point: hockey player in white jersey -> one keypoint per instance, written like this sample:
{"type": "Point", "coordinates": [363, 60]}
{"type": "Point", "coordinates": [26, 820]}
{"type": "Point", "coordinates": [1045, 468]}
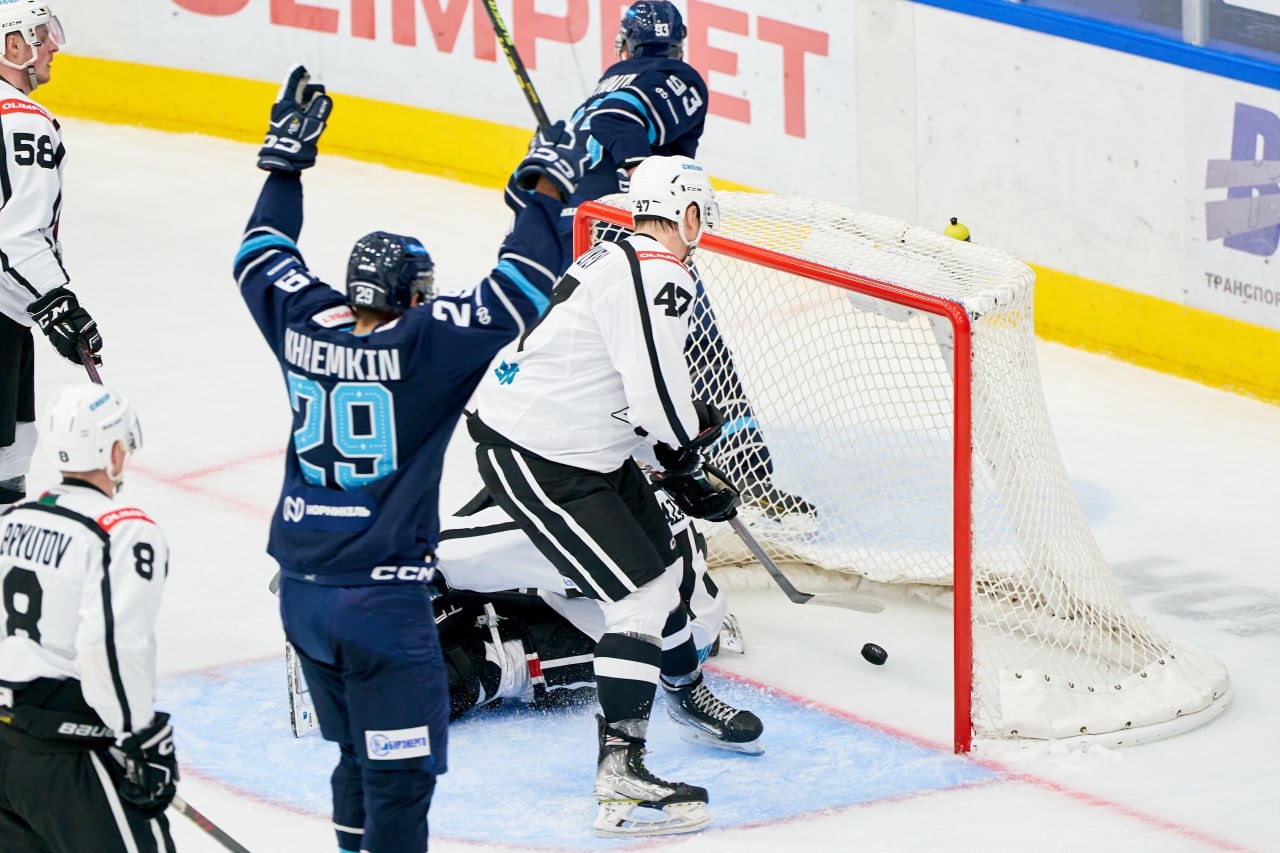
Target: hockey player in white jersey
{"type": "Point", "coordinates": [33, 282]}
{"type": "Point", "coordinates": [86, 761]}
{"type": "Point", "coordinates": [602, 377]}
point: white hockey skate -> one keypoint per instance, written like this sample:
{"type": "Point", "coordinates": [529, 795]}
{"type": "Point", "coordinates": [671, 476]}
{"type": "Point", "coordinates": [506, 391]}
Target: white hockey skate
{"type": "Point", "coordinates": [624, 784]}
{"type": "Point", "coordinates": [707, 720]}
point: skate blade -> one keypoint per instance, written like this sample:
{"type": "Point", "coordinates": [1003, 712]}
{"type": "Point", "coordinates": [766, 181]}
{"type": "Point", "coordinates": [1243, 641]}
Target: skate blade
{"type": "Point", "coordinates": [701, 738]}
{"type": "Point", "coordinates": [615, 819]}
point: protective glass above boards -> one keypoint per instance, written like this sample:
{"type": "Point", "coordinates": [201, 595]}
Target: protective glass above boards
{"type": "Point", "coordinates": [1247, 28]}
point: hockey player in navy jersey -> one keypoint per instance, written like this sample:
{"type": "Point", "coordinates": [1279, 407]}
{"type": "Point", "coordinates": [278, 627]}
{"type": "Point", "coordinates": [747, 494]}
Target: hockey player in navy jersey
{"type": "Point", "coordinates": [652, 102]}
{"type": "Point", "coordinates": [377, 378]}
{"type": "Point", "coordinates": [649, 102]}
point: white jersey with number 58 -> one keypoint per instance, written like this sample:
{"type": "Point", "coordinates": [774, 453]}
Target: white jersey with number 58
{"type": "Point", "coordinates": [604, 366]}
{"type": "Point", "coordinates": [30, 203]}
{"type": "Point", "coordinates": [82, 577]}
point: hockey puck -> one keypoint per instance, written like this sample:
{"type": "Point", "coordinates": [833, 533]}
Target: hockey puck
{"type": "Point", "coordinates": [874, 654]}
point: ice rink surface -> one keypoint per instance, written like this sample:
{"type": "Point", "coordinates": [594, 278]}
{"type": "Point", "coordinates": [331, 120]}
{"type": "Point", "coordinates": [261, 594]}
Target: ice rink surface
{"type": "Point", "coordinates": [1181, 484]}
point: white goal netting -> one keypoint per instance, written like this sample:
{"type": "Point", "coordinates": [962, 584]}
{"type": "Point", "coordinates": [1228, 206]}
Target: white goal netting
{"type": "Point", "coordinates": [842, 407]}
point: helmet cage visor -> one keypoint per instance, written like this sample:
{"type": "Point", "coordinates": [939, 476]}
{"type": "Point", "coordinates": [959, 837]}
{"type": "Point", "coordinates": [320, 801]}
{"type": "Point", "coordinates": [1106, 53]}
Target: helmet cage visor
{"type": "Point", "coordinates": [37, 27]}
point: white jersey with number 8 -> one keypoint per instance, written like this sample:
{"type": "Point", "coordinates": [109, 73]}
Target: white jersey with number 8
{"type": "Point", "coordinates": [82, 577]}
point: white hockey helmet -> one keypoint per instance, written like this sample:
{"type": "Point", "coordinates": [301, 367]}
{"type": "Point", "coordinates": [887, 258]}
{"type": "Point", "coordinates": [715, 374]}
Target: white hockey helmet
{"type": "Point", "coordinates": [26, 17]}
{"type": "Point", "coordinates": [665, 187]}
{"type": "Point", "coordinates": [84, 422]}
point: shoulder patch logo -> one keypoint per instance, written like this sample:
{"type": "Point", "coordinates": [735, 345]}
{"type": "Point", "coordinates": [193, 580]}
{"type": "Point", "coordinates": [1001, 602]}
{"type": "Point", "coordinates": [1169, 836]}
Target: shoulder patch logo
{"type": "Point", "coordinates": [116, 516]}
{"type": "Point", "coordinates": [331, 318]}
{"type": "Point", "coordinates": [16, 105]}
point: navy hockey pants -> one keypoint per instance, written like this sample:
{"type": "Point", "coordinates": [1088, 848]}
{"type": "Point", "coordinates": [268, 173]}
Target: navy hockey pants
{"type": "Point", "coordinates": [372, 659]}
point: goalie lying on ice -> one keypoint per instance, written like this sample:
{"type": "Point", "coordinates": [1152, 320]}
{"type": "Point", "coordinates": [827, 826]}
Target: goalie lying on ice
{"type": "Point", "coordinates": [537, 645]}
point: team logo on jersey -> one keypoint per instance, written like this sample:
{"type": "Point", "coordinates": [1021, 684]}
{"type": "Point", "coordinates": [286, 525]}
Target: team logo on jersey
{"type": "Point", "coordinates": [394, 744]}
{"type": "Point", "coordinates": [506, 372]}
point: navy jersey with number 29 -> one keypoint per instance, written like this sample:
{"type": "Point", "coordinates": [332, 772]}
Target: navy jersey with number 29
{"type": "Point", "coordinates": [372, 414]}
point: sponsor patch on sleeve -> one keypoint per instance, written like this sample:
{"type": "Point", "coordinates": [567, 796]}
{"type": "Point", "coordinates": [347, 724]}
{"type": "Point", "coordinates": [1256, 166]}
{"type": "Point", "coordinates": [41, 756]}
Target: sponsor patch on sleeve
{"type": "Point", "coordinates": [394, 744]}
{"type": "Point", "coordinates": [332, 318]}
{"type": "Point", "coordinates": [116, 516]}
{"type": "Point", "coordinates": [16, 105]}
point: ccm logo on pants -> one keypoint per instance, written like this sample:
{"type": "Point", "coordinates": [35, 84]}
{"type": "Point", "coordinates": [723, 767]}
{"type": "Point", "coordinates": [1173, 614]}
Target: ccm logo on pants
{"type": "Point", "coordinates": [403, 573]}
{"type": "Point", "coordinates": [397, 743]}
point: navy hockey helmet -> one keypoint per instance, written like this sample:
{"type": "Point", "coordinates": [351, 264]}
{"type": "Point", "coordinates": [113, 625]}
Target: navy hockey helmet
{"type": "Point", "coordinates": [651, 28]}
{"type": "Point", "coordinates": [386, 270]}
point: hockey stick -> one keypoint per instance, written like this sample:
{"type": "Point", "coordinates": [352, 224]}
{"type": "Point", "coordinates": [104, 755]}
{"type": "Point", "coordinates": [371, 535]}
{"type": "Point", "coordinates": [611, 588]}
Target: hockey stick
{"type": "Point", "coordinates": [517, 67]}
{"type": "Point", "coordinates": [302, 715]}
{"type": "Point", "coordinates": [184, 808]}
{"type": "Point", "coordinates": [86, 358]}
{"type": "Point", "coordinates": [847, 600]}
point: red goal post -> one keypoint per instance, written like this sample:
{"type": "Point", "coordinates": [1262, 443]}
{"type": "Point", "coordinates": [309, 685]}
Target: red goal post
{"type": "Point", "coordinates": [885, 376]}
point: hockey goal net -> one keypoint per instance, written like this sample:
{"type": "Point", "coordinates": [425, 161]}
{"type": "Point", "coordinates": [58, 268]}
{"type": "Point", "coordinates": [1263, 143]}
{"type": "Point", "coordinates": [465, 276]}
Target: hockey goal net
{"type": "Point", "coordinates": [887, 425]}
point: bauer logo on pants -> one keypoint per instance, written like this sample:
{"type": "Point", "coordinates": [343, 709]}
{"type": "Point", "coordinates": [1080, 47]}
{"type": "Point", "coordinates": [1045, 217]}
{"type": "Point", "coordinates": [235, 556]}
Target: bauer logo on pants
{"type": "Point", "coordinates": [397, 743]}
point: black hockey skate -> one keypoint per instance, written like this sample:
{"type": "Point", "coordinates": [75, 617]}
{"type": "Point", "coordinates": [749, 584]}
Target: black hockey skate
{"type": "Point", "coordinates": [623, 783]}
{"type": "Point", "coordinates": [707, 720]}
{"type": "Point", "coordinates": [776, 503]}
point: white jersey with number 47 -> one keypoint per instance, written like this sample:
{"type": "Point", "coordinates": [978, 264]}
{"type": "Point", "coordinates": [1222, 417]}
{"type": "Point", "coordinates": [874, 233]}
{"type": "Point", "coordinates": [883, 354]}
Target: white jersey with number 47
{"type": "Point", "coordinates": [605, 365]}
{"type": "Point", "coordinates": [30, 203]}
{"type": "Point", "coordinates": [82, 577]}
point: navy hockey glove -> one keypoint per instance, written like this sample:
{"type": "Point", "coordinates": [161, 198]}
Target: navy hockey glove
{"type": "Point", "coordinates": [150, 767]}
{"type": "Point", "coordinates": [66, 324]}
{"type": "Point", "coordinates": [705, 493]}
{"type": "Point", "coordinates": [297, 119]}
{"type": "Point", "coordinates": [687, 459]}
{"type": "Point", "coordinates": [552, 152]}
{"type": "Point", "coordinates": [624, 173]}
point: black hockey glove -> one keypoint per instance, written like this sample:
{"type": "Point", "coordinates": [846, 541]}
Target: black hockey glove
{"type": "Point", "coordinates": [552, 152]}
{"type": "Point", "coordinates": [297, 119]}
{"type": "Point", "coordinates": [687, 459]}
{"type": "Point", "coordinates": [705, 493]}
{"type": "Point", "coordinates": [150, 767]}
{"type": "Point", "coordinates": [67, 325]}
